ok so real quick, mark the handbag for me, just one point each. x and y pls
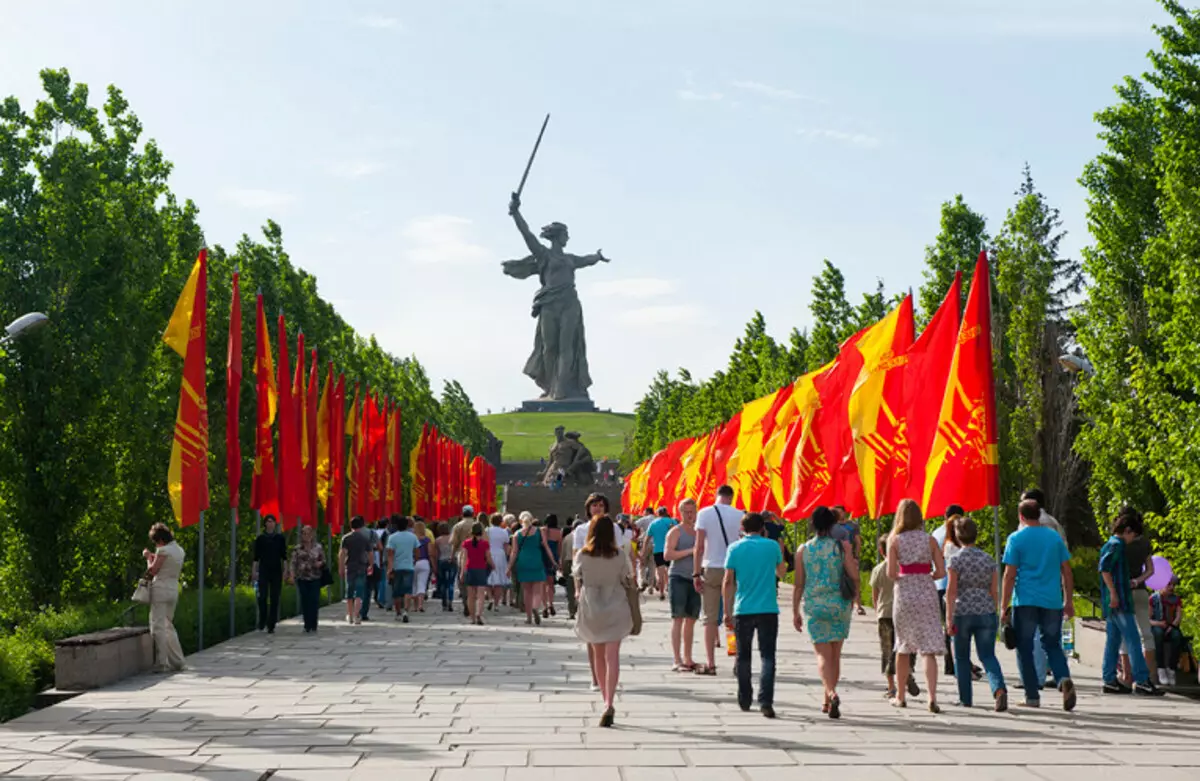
(845, 581)
(326, 576)
(141, 594)
(635, 607)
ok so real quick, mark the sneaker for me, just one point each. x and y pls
(977, 673)
(889, 694)
(1163, 680)
(358, 622)
(745, 706)
(595, 687)
(404, 617)
(1147, 689)
(768, 712)
(1171, 677)
(1115, 687)
(1001, 701)
(1031, 703)
(1067, 687)
(397, 617)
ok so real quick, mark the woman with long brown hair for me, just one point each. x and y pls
(914, 562)
(601, 576)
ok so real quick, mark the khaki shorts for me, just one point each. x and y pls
(714, 581)
(1141, 613)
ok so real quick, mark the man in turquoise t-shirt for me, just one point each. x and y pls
(402, 546)
(657, 531)
(751, 567)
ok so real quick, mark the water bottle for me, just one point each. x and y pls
(1068, 637)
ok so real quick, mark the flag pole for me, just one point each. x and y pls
(233, 514)
(200, 601)
(257, 532)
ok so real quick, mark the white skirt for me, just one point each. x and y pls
(499, 574)
(421, 577)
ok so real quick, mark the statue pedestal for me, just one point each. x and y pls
(561, 405)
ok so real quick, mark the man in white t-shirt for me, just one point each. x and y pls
(717, 527)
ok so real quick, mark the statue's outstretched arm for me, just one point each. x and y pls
(583, 261)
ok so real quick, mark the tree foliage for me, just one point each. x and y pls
(962, 236)
(1139, 321)
(91, 235)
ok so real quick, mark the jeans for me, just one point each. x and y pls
(767, 627)
(569, 579)
(310, 601)
(1168, 647)
(1122, 627)
(447, 574)
(1027, 621)
(1040, 663)
(269, 587)
(983, 630)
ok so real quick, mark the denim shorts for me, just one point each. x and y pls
(356, 587)
(402, 582)
(685, 600)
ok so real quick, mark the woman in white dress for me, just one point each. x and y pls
(602, 573)
(498, 542)
(164, 565)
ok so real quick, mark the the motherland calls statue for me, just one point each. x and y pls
(572, 457)
(559, 361)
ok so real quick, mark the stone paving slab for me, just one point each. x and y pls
(438, 700)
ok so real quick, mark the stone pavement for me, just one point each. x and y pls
(437, 700)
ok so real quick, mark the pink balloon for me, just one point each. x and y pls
(1162, 574)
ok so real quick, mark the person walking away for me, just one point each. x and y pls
(657, 533)
(447, 571)
(1166, 613)
(943, 535)
(308, 559)
(717, 527)
(1038, 590)
(914, 563)
(554, 537)
(1141, 569)
(818, 580)
(422, 565)
(528, 564)
(566, 563)
(971, 600)
(1040, 662)
(460, 534)
(163, 566)
(645, 555)
(498, 544)
(751, 566)
(679, 552)
(354, 559)
(270, 554)
(378, 581)
(847, 530)
(595, 506)
(402, 564)
(602, 573)
(1116, 600)
(882, 597)
(476, 563)
(375, 574)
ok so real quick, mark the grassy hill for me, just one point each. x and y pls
(527, 436)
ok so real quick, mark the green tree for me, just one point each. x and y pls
(833, 317)
(957, 246)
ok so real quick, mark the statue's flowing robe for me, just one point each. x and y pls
(558, 363)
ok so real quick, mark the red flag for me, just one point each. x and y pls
(361, 466)
(233, 395)
(336, 508)
(291, 493)
(964, 465)
(396, 464)
(310, 479)
(300, 408)
(928, 367)
(186, 334)
(264, 491)
(350, 461)
(722, 449)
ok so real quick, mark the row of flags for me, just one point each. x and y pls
(893, 416)
(343, 460)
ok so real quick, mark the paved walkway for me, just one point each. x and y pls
(437, 700)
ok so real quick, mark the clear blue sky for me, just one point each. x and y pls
(715, 150)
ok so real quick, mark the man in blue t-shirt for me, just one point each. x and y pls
(751, 566)
(657, 532)
(401, 549)
(1038, 589)
(1116, 601)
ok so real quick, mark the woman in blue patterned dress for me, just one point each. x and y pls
(819, 580)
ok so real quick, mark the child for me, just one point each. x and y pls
(1166, 611)
(881, 597)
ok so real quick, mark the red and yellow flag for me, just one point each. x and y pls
(233, 395)
(876, 410)
(750, 481)
(928, 368)
(690, 476)
(310, 426)
(964, 465)
(633, 495)
(804, 475)
(351, 458)
(416, 474)
(324, 437)
(186, 334)
(291, 476)
(336, 509)
(264, 491)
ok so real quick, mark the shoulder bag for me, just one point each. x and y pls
(141, 594)
(846, 582)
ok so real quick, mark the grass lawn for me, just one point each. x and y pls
(527, 436)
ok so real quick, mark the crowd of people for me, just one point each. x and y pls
(934, 594)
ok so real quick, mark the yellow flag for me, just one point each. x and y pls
(179, 327)
(324, 462)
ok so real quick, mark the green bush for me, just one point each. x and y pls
(17, 680)
(1085, 566)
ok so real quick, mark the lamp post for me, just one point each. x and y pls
(23, 325)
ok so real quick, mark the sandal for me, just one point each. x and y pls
(896, 702)
(684, 667)
(704, 669)
(835, 705)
